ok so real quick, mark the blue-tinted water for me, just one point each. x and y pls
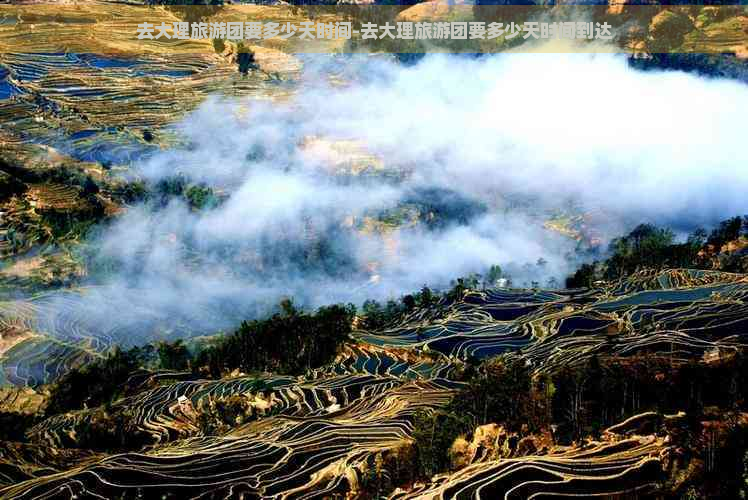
(7, 90)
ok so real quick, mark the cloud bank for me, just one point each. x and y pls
(470, 154)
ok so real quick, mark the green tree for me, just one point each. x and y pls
(173, 355)
(494, 275)
(434, 432)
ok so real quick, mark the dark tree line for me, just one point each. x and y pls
(375, 315)
(98, 382)
(649, 246)
(289, 342)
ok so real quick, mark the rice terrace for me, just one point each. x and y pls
(510, 264)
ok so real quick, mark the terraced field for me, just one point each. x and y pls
(90, 115)
(317, 438)
(323, 434)
(679, 312)
(79, 112)
(88, 107)
(604, 470)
